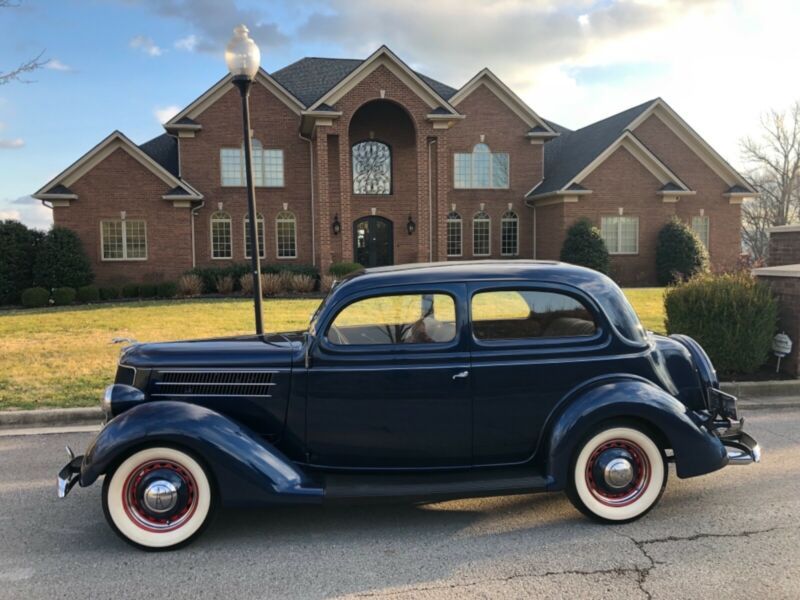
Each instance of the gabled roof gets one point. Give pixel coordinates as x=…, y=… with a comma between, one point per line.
x=309, y=78
x=157, y=147
x=164, y=150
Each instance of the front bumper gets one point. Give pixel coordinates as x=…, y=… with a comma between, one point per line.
x=728, y=427
x=70, y=474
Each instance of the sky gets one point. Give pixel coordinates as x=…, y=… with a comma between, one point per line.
x=132, y=64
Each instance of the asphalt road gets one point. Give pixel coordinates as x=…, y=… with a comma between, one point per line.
x=732, y=534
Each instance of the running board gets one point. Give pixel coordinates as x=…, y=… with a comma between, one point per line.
x=433, y=485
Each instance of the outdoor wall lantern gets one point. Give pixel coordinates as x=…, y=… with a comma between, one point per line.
x=243, y=59
x=411, y=227
x=336, y=226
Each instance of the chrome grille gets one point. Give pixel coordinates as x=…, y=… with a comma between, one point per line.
x=229, y=383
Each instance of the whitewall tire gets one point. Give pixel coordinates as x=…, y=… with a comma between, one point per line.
x=158, y=498
x=617, y=475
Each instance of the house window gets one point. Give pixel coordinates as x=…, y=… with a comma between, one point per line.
x=286, y=235
x=509, y=234
x=372, y=168
x=262, y=252
x=221, y=242
x=124, y=240
x=481, y=227
x=267, y=166
x=621, y=234
x=454, y=231
x=701, y=226
x=481, y=169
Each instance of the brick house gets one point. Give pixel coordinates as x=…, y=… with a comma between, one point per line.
x=367, y=160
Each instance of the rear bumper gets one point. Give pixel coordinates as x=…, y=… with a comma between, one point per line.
x=728, y=427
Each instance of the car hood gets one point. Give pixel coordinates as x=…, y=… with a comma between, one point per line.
x=252, y=351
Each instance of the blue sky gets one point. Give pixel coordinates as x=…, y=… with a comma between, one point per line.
x=126, y=64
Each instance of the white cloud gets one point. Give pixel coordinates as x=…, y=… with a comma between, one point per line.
x=165, y=113
x=11, y=215
x=188, y=43
x=12, y=144
x=146, y=45
x=56, y=65
x=28, y=210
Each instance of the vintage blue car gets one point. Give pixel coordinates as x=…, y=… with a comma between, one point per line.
x=417, y=382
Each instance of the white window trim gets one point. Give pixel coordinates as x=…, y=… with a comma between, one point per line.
x=262, y=249
x=124, y=241
x=619, y=233
x=488, y=220
x=472, y=185
x=707, y=242
x=242, y=167
x=211, y=236
x=514, y=219
x=460, y=222
x=277, y=248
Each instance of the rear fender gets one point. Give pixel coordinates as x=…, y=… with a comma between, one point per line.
x=697, y=451
x=247, y=469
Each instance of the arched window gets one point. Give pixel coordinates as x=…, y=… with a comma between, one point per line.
x=221, y=242
x=480, y=169
x=372, y=168
x=481, y=237
x=267, y=166
x=454, y=231
x=286, y=235
x=509, y=234
x=262, y=251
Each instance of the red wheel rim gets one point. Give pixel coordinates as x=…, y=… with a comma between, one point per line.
x=134, y=509
x=641, y=480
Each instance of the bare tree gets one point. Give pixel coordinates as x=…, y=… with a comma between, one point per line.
x=28, y=66
x=774, y=161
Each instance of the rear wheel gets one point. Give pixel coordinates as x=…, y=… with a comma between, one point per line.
x=617, y=475
x=158, y=498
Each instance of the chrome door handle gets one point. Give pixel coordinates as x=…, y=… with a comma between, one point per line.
x=461, y=375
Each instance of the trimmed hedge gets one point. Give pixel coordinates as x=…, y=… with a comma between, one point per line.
x=732, y=316
x=17, y=252
x=61, y=261
x=341, y=269
x=147, y=290
x=584, y=246
x=680, y=254
x=63, y=296
x=167, y=289
x=130, y=290
x=89, y=293
x=109, y=293
x=35, y=297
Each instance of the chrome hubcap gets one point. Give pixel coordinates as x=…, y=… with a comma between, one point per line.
x=618, y=473
x=160, y=496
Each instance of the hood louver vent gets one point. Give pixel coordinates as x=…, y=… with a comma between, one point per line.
x=229, y=383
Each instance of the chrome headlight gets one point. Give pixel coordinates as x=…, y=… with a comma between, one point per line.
x=119, y=397
x=105, y=403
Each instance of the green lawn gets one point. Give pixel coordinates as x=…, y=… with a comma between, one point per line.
x=63, y=356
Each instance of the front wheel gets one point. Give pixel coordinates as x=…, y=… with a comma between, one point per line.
x=617, y=475
x=158, y=498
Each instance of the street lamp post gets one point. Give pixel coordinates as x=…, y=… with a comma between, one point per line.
x=243, y=58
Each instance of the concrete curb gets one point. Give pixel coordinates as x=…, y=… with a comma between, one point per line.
x=761, y=389
x=50, y=417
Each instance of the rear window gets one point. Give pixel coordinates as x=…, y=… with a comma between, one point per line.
x=527, y=314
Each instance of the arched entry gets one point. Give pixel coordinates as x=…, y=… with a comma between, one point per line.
x=373, y=241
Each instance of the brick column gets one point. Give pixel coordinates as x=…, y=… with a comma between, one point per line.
x=345, y=192
x=323, y=232
x=442, y=200
x=422, y=218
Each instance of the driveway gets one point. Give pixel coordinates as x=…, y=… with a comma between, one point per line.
x=735, y=533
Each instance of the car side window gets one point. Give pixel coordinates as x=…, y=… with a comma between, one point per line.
x=396, y=319
x=523, y=314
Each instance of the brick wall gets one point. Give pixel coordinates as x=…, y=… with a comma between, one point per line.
x=121, y=183
x=549, y=231
x=787, y=291
x=784, y=245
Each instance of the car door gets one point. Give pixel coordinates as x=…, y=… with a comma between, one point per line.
x=388, y=383
x=530, y=344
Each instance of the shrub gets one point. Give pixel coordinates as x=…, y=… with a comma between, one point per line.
x=190, y=285
x=63, y=296
x=302, y=283
x=272, y=284
x=246, y=284
x=224, y=284
x=109, y=292
x=17, y=251
x=680, y=255
x=88, y=293
x=287, y=279
x=732, y=316
x=167, y=289
x=584, y=246
x=130, y=290
x=61, y=261
x=209, y=275
x=35, y=297
x=326, y=283
x=147, y=290
x=298, y=269
x=340, y=269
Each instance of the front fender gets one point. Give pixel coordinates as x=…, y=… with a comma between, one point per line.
x=247, y=469
x=697, y=451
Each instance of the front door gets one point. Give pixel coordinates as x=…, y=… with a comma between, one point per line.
x=372, y=241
